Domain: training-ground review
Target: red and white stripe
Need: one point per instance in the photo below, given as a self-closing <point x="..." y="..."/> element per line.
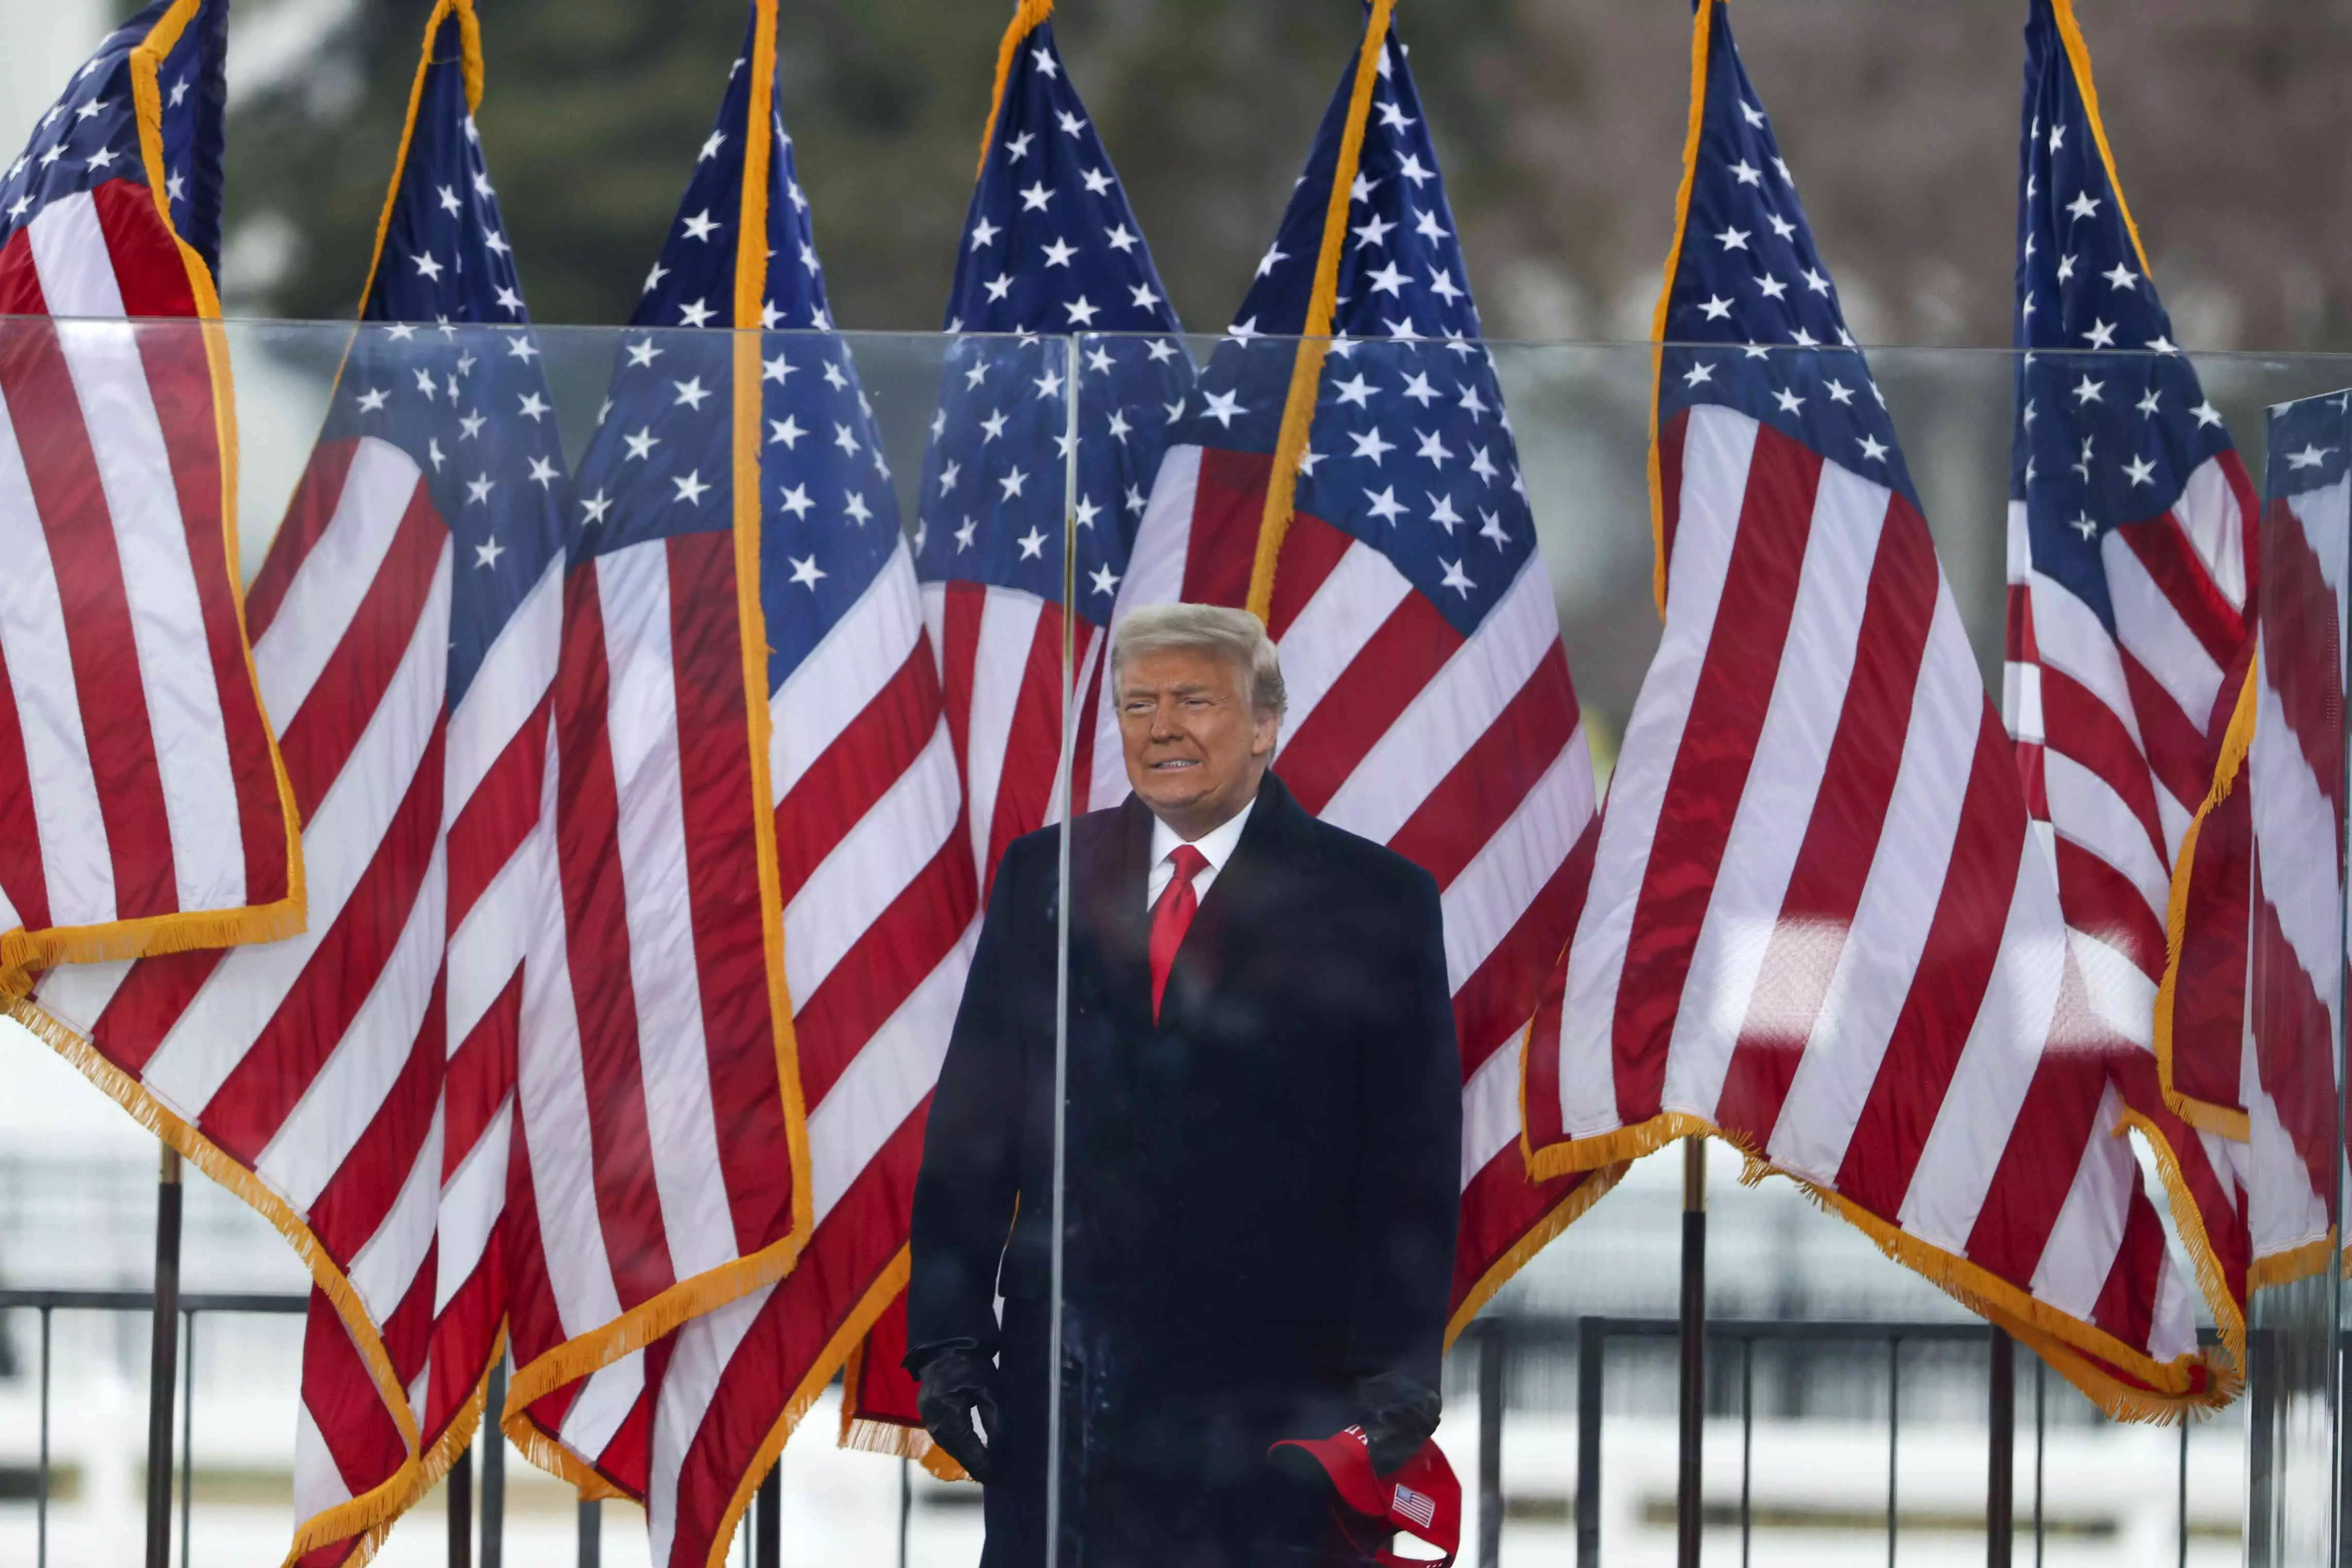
<point x="880" y="899"/>
<point x="2113" y="741"/>
<point x="1000" y="653"/>
<point x="1467" y="755"/>
<point x="2111" y="730"/>
<point x="500" y="851"/>
<point x="136" y="780"/>
<point x="2289" y="1079"/>
<point x="641" y="1204"/>
<point x="362" y="1071"/>
<point x="1817" y="921"/>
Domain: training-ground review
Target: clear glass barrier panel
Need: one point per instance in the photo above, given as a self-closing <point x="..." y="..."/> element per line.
<point x="1225" y="1215"/>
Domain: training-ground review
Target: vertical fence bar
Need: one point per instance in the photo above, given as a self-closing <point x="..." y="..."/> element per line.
<point x="768" y="1520"/>
<point x="1894" y="1431"/>
<point x="2343" y="1443"/>
<point x="2000" y="1452"/>
<point x="1688" y="1518"/>
<point x="1493" y="1345"/>
<point x="1591" y="1335"/>
<point x="494" y="1471"/>
<point x="458" y="1497"/>
<point x="2040" y="1389"/>
<point x="2183" y="1493"/>
<point x="163" y="1372"/>
<point x="1747" y="1444"/>
<point x="2262" y="1406"/>
<point x="187" y="1437"/>
<point x="41" y="1483"/>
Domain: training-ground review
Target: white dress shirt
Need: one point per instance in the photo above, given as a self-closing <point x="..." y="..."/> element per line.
<point x="1217" y="847"/>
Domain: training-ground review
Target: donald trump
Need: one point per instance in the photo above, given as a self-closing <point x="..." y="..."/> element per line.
<point x="1259" y="1142"/>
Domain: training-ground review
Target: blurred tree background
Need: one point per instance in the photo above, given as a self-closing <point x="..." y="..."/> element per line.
<point x="1560" y="122"/>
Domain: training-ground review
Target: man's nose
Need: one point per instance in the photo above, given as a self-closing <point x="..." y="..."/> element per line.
<point x="1164" y="726"/>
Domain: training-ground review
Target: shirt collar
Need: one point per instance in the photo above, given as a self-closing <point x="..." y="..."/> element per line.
<point x="1216" y="845"/>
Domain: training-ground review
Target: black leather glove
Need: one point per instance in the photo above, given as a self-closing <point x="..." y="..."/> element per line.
<point x="957" y="1384"/>
<point x="1399" y="1415"/>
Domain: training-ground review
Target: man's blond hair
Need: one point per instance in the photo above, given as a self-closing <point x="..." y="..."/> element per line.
<point x="1235" y="633"/>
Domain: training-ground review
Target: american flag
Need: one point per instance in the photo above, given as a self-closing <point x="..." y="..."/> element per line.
<point x="2131" y="539"/>
<point x="2293" y="1092"/>
<point x="1050" y="246"/>
<point x="143" y="807"/>
<point x="2252" y="1002"/>
<point x="1431" y="708"/>
<point x="875" y="889"/>
<point x="356" y="1082"/>
<point x="1817" y="923"/>
<point x="668" y="1168"/>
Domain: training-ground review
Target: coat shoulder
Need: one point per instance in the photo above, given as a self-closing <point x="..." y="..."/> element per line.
<point x="1375" y="868"/>
<point x="1039" y="853"/>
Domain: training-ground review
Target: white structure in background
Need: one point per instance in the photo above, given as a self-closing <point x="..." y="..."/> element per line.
<point x="42" y="42"/>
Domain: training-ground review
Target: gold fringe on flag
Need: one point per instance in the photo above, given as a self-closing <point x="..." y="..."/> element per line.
<point x="1026" y="16"/>
<point x="751" y="292"/>
<point x="1702" y="35"/>
<point x="1596" y="1185"/>
<point x="2146" y="1390"/>
<point x="845" y="1339"/>
<point x="246" y="1185"/>
<point x="1314" y="341"/>
<point x="371" y="1515"/>
<point x="2223" y="1121"/>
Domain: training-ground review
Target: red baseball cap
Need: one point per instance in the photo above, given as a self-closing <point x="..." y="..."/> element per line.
<point x="1422" y="1497"/>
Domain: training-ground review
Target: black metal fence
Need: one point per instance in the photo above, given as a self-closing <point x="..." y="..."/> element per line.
<point x="1495" y="1341"/>
<point x="47" y="1304"/>
<point x="1492" y="1347"/>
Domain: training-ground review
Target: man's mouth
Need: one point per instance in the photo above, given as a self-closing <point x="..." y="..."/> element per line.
<point x="1175" y="763"/>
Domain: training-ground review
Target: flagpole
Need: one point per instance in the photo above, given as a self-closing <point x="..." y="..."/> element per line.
<point x="1693" y="1352"/>
<point x="162" y="1367"/>
<point x="767" y="1521"/>
<point x="494" y="1470"/>
<point x="2001" y="1456"/>
<point x="460" y="1509"/>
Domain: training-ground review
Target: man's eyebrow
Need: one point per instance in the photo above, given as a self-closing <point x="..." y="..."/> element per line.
<point x="1181" y="688"/>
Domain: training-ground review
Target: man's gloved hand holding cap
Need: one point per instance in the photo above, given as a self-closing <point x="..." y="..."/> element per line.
<point x="1399" y="1415"/>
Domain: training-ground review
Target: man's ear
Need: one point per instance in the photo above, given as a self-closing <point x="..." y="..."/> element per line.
<point x="1264" y="733"/>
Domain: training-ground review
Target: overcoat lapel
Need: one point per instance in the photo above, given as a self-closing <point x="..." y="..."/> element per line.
<point x="1110" y="913"/>
<point x="1242" y="904"/>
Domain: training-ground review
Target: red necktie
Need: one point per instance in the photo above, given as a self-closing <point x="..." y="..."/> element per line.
<point x="1172" y="917"/>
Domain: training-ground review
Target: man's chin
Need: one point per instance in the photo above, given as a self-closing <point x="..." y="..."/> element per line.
<point x="1175" y="791"/>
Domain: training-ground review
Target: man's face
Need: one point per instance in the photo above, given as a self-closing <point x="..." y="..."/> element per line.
<point x="1195" y="748"/>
